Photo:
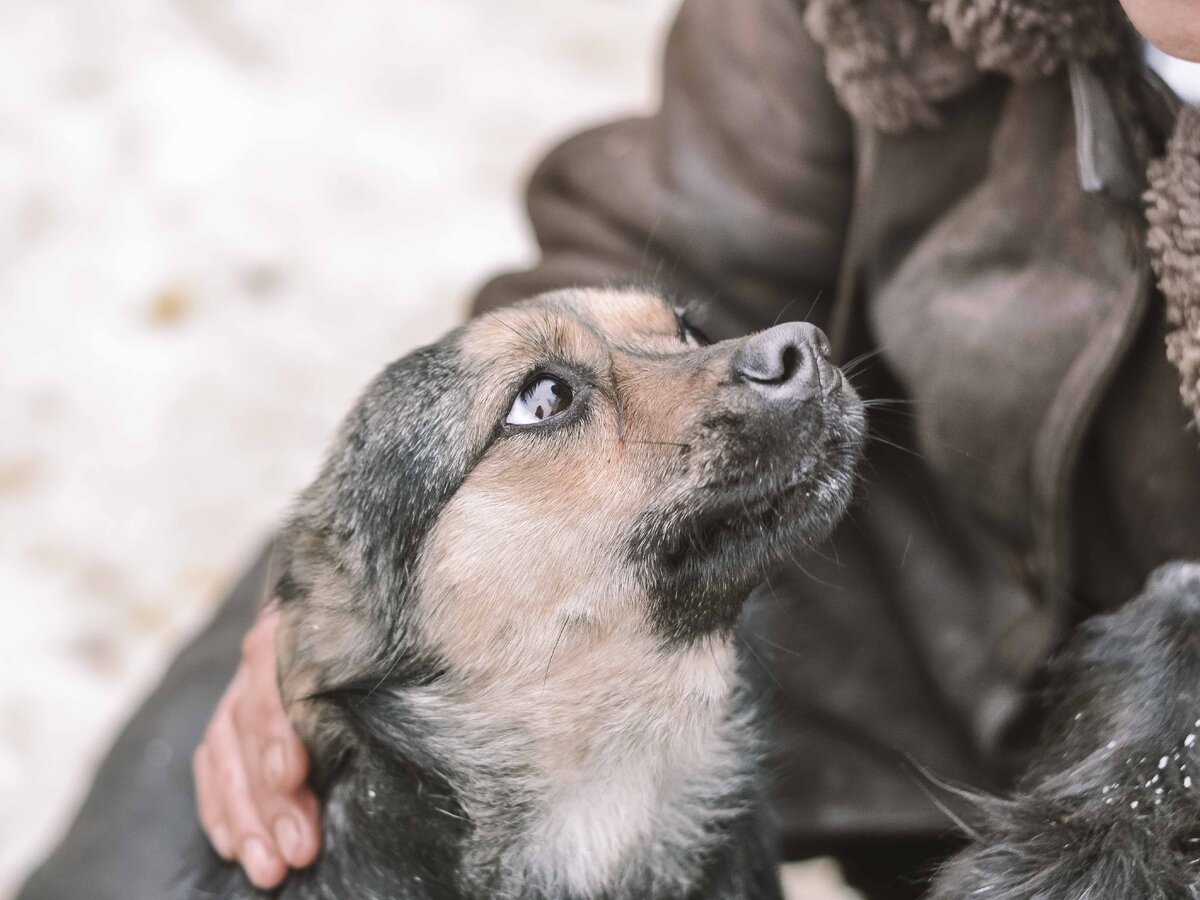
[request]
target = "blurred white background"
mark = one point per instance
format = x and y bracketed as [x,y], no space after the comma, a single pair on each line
[218,218]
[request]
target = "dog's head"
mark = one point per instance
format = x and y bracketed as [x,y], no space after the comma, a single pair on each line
[584,463]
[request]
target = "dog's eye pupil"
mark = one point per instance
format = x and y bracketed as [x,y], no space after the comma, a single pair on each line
[542,398]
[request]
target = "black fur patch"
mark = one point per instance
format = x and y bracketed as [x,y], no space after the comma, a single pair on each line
[781,478]
[1111,811]
[401,454]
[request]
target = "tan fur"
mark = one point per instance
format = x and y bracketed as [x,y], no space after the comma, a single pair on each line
[555,513]
[525,593]
[616,727]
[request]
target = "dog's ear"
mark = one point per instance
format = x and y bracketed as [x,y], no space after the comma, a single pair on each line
[346,557]
[324,637]
[400,455]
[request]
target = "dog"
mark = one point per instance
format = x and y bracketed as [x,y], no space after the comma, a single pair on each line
[508,604]
[1111,808]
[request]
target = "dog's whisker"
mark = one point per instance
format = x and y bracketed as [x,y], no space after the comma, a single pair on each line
[876,438]
[810,575]
[813,305]
[781,647]
[856,365]
[386,675]
[499,320]
[676,444]
[750,649]
[558,637]
[788,306]
[877,402]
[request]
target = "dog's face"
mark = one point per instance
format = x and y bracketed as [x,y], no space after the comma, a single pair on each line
[580,464]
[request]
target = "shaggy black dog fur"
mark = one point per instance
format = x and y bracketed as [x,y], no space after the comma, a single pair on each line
[1111,811]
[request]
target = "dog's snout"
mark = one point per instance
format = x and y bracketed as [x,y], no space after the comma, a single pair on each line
[789,361]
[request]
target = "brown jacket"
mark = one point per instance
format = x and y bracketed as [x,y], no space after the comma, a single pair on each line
[960,190]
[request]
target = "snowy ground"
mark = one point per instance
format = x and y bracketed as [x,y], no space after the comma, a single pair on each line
[219,218]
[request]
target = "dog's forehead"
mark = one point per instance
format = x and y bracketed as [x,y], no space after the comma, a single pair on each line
[620,316]
[580,325]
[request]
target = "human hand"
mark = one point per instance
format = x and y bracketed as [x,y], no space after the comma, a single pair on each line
[251,771]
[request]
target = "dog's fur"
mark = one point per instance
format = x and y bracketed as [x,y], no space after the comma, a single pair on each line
[510,649]
[1111,809]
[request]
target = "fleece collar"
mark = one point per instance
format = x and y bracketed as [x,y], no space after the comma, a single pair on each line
[892,62]
[1173,216]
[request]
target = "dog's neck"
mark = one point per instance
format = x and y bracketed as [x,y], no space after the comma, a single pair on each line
[616,740]
[605,775]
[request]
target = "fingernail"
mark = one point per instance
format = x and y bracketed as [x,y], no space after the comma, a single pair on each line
[287,836]
[221,841]
[275,764]
[254,856]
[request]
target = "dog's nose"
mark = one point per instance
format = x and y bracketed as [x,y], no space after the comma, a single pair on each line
[789,361]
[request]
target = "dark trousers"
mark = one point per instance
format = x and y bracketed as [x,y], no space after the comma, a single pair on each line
[138,824]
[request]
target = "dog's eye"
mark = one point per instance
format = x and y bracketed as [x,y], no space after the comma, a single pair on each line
[689,333]
[693,336]
[542,398]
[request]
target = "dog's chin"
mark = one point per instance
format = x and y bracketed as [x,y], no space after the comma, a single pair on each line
[701,559]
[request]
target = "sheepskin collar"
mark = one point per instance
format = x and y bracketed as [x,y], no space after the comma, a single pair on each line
[892,61]
[1173,217]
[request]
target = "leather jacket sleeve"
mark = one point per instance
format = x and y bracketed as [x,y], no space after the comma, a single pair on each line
[736,192]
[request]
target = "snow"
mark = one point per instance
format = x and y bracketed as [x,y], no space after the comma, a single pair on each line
[221,218]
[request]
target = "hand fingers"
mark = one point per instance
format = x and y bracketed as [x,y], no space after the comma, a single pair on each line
[208,798]
[270,747]
[285,761]
[260,639]
[297,831]
[277,790]
[264,867]
[275,757]
[251,771]
[252,844]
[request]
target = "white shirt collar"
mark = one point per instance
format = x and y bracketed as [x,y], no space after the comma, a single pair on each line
[1181,76]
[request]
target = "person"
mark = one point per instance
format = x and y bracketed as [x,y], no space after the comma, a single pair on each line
[994,206]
